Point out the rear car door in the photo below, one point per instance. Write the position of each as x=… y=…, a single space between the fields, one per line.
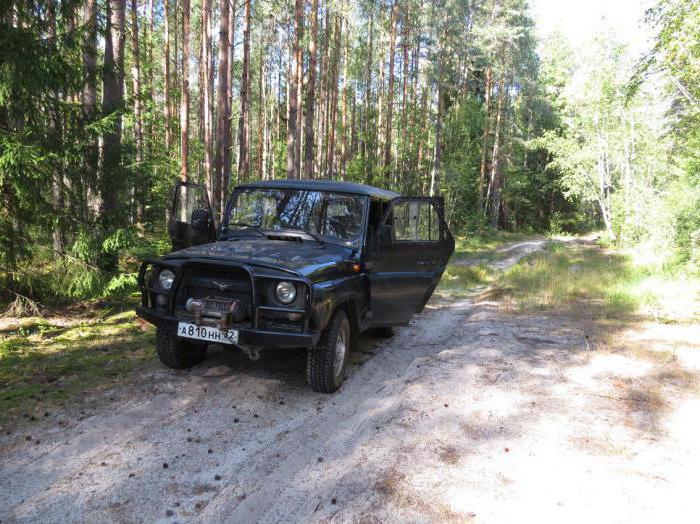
x=414 y=247
x=191 y=219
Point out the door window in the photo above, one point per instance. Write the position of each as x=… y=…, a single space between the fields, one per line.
x=415 y=221
x=189 y=198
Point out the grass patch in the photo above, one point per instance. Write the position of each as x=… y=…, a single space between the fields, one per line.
x=460 y=278
x=42 y=365
x=577 y=279
x=585 y=280
x=483 y=247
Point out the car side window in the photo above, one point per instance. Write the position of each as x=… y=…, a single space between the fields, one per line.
x=189 y=198
x=415 y=221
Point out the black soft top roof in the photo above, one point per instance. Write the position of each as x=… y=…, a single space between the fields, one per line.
x=324 y=185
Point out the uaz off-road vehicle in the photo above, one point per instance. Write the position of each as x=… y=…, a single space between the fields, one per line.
x=294 y=264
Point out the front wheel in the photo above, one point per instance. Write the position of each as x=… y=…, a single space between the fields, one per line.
x=326 y=362
x=176 y=353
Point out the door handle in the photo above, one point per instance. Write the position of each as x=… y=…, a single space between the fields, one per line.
x=425 y=262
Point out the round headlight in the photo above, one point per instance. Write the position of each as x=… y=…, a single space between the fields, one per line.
x=286 y=292
x=165 y=279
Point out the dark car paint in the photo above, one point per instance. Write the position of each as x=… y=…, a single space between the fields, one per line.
x=335 y=274
x=328 y=268
x=307 y=258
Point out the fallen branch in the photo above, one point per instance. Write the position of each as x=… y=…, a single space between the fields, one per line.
x=22 y=306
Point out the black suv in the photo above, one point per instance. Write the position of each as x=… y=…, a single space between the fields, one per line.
x=294 y=264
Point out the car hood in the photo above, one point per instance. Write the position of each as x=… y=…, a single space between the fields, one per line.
x=305 y=257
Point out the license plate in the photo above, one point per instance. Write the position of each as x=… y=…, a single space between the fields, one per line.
x=208 y=333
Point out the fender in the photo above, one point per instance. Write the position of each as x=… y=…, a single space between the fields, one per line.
x=330 y=294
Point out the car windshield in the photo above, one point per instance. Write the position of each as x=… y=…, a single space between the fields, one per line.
x=333 y=217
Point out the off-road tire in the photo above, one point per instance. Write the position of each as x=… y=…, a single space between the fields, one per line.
x=383 y=332
x=176 y=353
x=320 y=359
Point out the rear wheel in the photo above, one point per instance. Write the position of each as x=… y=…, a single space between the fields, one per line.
x=176 y=353
x=326 y=362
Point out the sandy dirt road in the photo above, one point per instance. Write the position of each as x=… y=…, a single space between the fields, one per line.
x=470 y=414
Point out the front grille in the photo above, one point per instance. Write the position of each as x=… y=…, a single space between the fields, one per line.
x=228 y=284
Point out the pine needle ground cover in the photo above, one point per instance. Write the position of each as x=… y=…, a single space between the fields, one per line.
x=46 y=363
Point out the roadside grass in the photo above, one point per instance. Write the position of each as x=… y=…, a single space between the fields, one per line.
x=460 y=277
x=587 y=281
x=576 y=279
x=44 y=364
x=460 y=280
x=484 y=246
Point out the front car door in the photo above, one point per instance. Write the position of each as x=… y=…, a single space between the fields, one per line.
x=191 y=220
x=415 y=245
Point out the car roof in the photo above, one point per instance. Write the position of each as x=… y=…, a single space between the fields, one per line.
x=324 y=185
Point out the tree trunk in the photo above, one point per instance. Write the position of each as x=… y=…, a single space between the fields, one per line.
x=166 y=73
x=413 y=142
x=390 y=94
x=496 y=182
x=604 y=180
x=437 y=155
x=228 y=157
x=368 y=97
x=324 y=70
x=222 y=111
x=244 y=118
x=421 y=141
x=139 y=186
x=485 y=136
x=292 y=165
x=261 y=110
x=344 y=145
x=334 y=99
x=311 y=96
x=112 y=102
x=185 y=94
x=149 y=75
x=207 y=87
x=300 y=97
x=89 y=97
x=89 y=103
x=404 y=96
x=55 y=129
x=378 y=135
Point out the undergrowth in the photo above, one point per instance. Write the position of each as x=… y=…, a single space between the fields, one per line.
x=44 y=364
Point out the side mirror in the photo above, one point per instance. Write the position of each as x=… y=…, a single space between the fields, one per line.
x=200 y=220
x=385 y=239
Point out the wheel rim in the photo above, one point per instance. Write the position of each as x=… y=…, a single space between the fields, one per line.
x=340 y=349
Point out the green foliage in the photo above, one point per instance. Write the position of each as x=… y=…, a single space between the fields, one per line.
x=627 y=150
x=42 y=364
x=579 y=147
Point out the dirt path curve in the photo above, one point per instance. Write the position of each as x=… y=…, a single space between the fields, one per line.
x=469 y=414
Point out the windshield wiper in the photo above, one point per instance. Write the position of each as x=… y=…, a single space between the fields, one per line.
x=249 y=226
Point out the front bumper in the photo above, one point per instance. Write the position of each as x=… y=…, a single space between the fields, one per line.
x=255 y=334
x=246 y=336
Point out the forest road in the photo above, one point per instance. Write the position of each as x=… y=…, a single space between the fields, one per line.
x=469 y=414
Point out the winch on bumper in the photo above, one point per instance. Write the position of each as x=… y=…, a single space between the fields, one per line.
x=227 y=295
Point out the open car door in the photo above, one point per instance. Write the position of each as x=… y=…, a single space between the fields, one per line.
x=191 y=220
x=415 y=245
